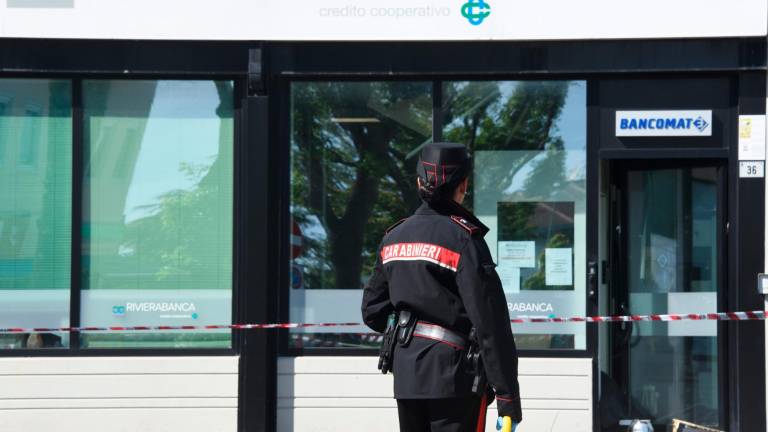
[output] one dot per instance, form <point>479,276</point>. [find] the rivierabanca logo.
<point>475,11</point>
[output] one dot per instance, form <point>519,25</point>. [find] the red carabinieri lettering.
<point>435,254</point>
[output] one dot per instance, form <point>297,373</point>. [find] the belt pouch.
<point>406,324</point>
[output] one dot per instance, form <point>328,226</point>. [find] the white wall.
<point>350,20</point>
<point>119,394</point>
<point>348,394</point>
<point>338,394</point>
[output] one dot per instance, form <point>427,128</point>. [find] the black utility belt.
<point>409,327</point>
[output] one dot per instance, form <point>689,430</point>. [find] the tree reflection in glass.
<point>354,146</point>
<point>353,161</point>
<point>528,140</point>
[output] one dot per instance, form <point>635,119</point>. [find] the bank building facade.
<point>201,164</point>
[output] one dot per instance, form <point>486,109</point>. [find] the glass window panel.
<point>157,210</point>
<point>354,148</point>
<point>528,137</point>
<point>35,209</point>
<point>528,141</point>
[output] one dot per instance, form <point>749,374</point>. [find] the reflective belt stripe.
<point>440,334</point>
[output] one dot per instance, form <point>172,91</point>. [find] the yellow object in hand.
<point>506,424</point>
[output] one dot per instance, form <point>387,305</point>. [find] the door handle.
<point>592,280</point>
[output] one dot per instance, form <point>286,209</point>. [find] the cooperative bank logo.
<point>663,123</point>
<point>475,11</point>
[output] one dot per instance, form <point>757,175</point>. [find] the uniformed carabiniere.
<point>434,270</point>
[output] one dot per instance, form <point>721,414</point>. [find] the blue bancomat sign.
<point>663,123</point>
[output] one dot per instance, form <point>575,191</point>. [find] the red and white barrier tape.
<point>714,316</point>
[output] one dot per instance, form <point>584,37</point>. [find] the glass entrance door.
<point>666,232</point>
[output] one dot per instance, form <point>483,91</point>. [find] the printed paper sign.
<point>558,263</point>
<point>752,137</point>
<point>510,278</point>
<point>520,254</point>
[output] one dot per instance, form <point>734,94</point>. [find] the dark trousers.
<point>439,415</point>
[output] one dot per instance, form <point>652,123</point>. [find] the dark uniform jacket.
<point>437,265</point>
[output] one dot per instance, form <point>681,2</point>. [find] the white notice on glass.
<point>510,278</point>
<point>520,254</point>
<point>558,264</point>
<point>752,137</point>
